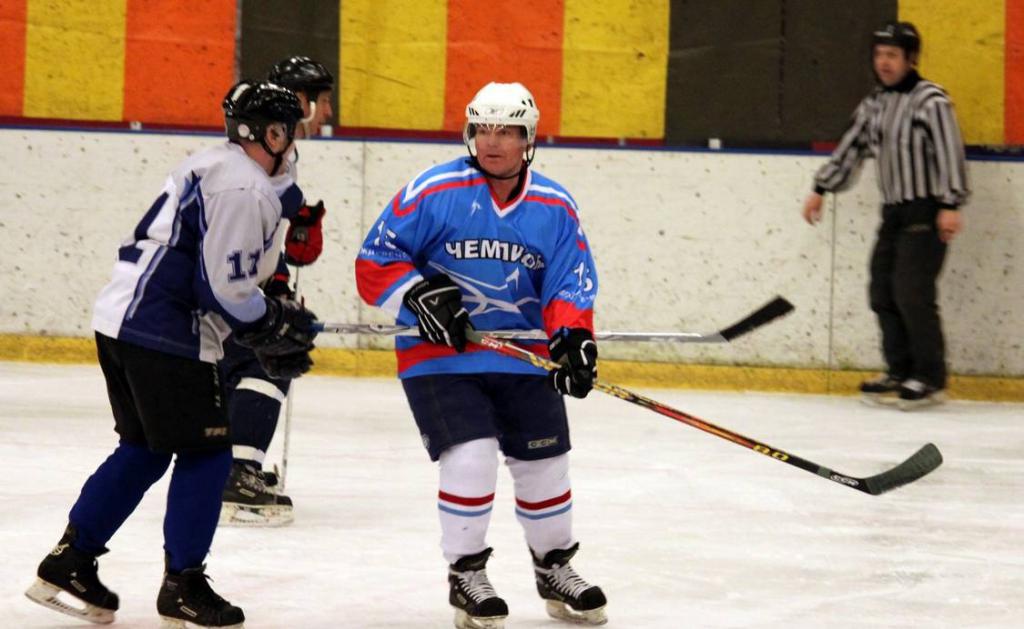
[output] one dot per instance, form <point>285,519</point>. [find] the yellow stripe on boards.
<point>964,51</point>
<point>382,364</point>
<point>393,63</point>
<point>614,68</point>
<point>74,59</point>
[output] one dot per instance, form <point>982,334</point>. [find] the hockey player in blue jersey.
<point>486,241</point>
<point>188,274</point>
<point>251,495</point>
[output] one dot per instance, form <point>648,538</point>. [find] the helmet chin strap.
<point>305,121</point>
<point>278,157</point>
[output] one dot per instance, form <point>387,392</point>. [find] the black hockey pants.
<point>905,266</point>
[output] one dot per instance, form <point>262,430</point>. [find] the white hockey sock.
<point>543,502</point>
<point>469,474</point>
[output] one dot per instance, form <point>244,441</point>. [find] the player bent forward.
<point>487,233</point>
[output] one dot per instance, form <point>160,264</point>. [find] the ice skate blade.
<point>939,397</point>
<point>45,593</point>
<point>465,621</point>
<point>561,611</point>
<point>166,622</point>
<point>879,400</point>
<point>233,514</point>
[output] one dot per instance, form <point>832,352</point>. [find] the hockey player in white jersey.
<point>486,241</point>
<point>252,495</point>
<point>188,274</point>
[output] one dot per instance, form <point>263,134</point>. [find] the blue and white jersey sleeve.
<point>233,247</point>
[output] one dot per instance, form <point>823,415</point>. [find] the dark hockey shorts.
<point>165,402</point>
<point>525,414</point>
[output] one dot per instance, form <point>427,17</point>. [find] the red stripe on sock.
<point>467,502</point>
<point>543,504</point>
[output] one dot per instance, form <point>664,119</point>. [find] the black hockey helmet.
<point>302,74</point>
<point>250,106</point>
<point>901,34</point>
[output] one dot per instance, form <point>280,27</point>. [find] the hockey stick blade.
<point>921,463</point>
<point>767,313</point>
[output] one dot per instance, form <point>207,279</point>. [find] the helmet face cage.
<point>502,105</point>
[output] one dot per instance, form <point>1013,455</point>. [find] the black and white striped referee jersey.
<point>912,132</point>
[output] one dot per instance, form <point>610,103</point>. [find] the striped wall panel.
<point>393,63</point>
<point>1013,80</point>
<point>789,72</point>
<point>74,59</point>
<point>614,63</point>
<point>12,56</point>
<point>272,30</point>
<point>963,49</point>
<point>179,60</point>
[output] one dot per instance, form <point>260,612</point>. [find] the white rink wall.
<point>685,241</point>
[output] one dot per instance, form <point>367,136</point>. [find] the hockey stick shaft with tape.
<point>767,313</point>
<point>925,460</point>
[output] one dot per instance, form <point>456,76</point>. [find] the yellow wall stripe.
<point>74,59</point>
<point>393,63</point>
<point>614,68</point>
<point>964,51</point>
<point>381,364</point>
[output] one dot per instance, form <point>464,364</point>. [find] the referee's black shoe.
<point>916,394</point>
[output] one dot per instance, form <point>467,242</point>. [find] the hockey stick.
<point>288,412</point>
<point>765,314</point>
<point>919,464</point>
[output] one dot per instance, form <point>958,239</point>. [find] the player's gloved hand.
<point>305,238</point>
<point>576,351</point>
<point>277,286</point>
<point>282,339</point>
<point>437,302</point>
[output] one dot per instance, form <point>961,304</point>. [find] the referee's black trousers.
<point>905,267</point>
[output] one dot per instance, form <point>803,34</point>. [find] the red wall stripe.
<point>13,15</point>
<point>505,41</point>
<point>179,60</point>
<point>1014,74</point>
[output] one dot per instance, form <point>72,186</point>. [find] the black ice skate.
<point>73,572</point>
<point>476,604</point>
<point>880,390</point>
<point>249,500</point>
<point>187,600</point>
<point>917,394</point>
<point>568,596</point>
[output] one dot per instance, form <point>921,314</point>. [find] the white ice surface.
<point>680,528</point>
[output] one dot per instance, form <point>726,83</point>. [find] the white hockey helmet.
<point>508,104</point>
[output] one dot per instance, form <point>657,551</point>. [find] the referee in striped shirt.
<point>907,123</point>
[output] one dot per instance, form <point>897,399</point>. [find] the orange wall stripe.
<point>179,60</point>
<point>1014,74</point>
<point>505,41</point>
<point>13,14</point>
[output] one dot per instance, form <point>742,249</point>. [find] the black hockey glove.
<point>576,350</point>
<point>277,286</point>
<point>437,303</point>
<point>282,339</point>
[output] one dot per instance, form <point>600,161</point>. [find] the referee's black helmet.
<point>901,34</point>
